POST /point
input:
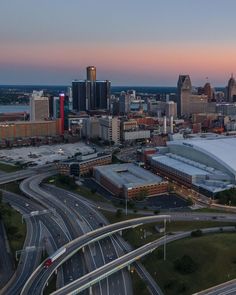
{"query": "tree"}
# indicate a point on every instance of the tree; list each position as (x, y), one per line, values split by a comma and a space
(119, 213)
(142, 194)
(196, 233)
(93, 190)
(185, 265)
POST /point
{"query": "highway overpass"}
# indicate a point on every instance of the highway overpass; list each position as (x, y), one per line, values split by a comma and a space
(72, 247)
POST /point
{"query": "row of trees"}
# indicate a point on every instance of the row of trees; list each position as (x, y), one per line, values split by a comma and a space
(227, 197)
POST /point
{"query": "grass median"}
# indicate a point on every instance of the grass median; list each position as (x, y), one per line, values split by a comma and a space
(15, 229)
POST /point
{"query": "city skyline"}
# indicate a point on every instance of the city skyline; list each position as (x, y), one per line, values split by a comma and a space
(143, 44)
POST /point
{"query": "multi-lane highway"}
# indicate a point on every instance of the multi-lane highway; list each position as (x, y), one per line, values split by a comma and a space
(95, 219)
(51, 236)
(89, 279)
(77, 244)
(22, 174)
(6, 259)
(227, 288)
(73, 217)
(94, 256)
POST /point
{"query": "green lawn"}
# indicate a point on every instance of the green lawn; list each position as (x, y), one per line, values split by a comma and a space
(113, 218)
(12, 187)
(16, 231)
(51, 286)
(144, 234)
(8, 168)
(214, 256)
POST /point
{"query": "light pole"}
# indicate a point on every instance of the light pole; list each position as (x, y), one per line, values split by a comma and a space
(164, 239)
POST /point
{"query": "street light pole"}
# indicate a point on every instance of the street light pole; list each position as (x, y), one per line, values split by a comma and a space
(164, 239)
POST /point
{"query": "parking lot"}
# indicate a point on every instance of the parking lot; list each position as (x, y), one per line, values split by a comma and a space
(43, 154)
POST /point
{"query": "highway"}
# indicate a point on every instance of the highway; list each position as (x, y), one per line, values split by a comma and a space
(75, 225)
(87, 219)
(52, 237)
(6, 259)
(89, 279)
(24, 173)
(73, 246)
(28, 259)
(68, 222)
(222, 289)
(120, 282)
(84, 219)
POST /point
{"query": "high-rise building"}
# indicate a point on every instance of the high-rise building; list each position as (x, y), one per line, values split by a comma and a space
(91, 73)
(183, 93)
(39, 106)
(110, 129)
(171, 109)
(103, 92)
(56, 107)
(208, 91)
(90, 94)
(124, 103)
(79, 95)
(231, 90)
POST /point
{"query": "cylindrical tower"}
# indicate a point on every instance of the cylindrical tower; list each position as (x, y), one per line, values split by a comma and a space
(91, 73)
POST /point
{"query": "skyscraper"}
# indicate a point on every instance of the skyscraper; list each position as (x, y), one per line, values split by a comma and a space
(39, 106)
(184, 90)
(103, 92)
(90, 94)
(91, 73)
(207, 90)
(79, 95)
(231, 90)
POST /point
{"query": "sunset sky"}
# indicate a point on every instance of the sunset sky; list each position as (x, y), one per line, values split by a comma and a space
(131, 42)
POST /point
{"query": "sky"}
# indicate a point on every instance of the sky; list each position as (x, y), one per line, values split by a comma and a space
(131, 42)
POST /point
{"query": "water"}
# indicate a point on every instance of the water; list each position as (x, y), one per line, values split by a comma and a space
(14, 108)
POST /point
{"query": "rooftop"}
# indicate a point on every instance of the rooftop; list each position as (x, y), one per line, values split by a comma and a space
(179, 165)
(128, 175)
(221, 149)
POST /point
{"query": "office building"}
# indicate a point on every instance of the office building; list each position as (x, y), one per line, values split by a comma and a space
(39, 106)
(91, 127)
(90, 94)
(103, 92)
(80, 92)
(21, 129)
(231, 90)
(194, 104)
(110, 129)
(184, 89)
(124, 103)
(84, 167)
(208, 91)
(226, 109)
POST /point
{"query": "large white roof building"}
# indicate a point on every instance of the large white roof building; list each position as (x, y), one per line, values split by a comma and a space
(220, 153)
(206, 163)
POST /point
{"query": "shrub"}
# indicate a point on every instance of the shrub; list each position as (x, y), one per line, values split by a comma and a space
(185, 265)
(196, 233)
